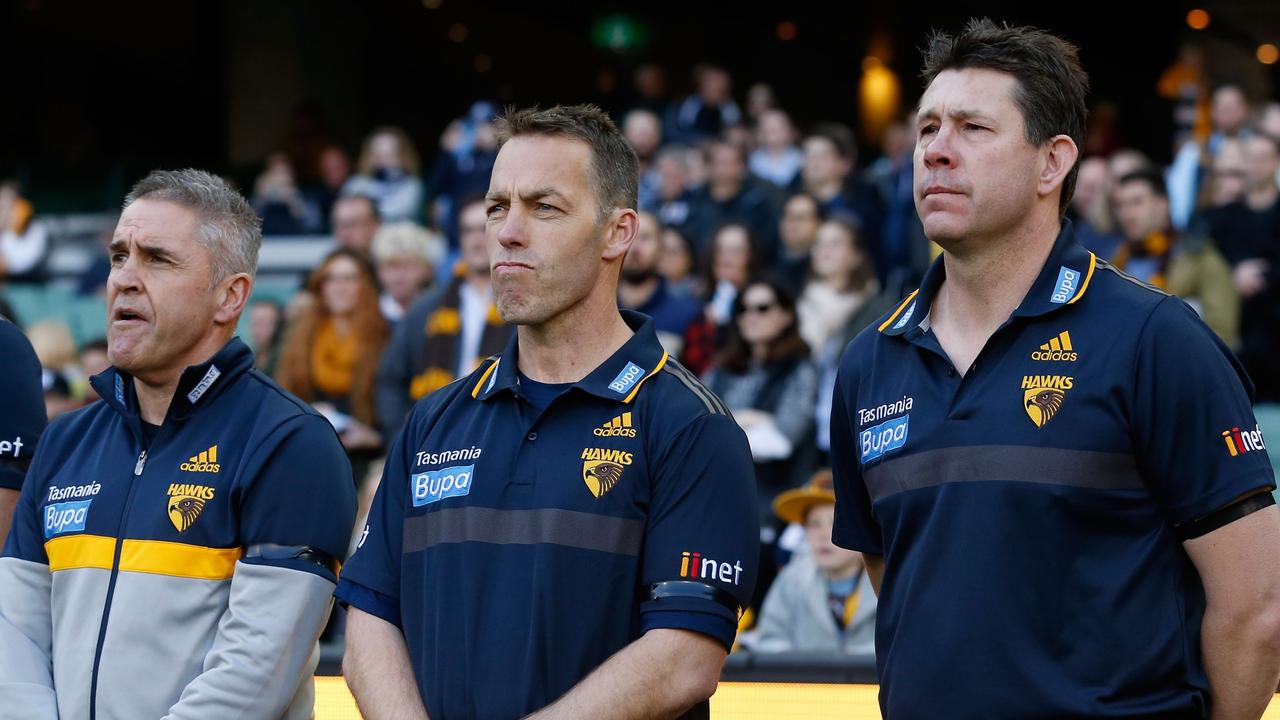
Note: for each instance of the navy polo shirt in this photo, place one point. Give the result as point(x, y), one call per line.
point(519, 548)
point(1026, 510)
point(22, 411)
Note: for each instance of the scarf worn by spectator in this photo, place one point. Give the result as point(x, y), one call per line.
point(443, 333)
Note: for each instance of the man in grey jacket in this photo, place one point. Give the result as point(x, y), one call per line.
point(175, 545)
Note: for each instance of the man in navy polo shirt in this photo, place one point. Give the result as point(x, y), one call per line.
point(1052, 469)
point(569, 531)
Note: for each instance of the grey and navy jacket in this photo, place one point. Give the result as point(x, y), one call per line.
point(184, 576)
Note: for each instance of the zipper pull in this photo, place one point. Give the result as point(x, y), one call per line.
point(142, 462)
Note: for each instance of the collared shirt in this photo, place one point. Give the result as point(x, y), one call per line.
point(1027, 510)
point(518, 549)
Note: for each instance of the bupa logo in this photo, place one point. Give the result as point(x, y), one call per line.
point(65, 517)
point(626, 379)
point(436, 485)
point(885, 437)
point(1065, 289)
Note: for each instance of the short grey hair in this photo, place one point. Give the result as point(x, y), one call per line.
point(229, 228)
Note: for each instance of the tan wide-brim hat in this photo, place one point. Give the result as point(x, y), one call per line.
point(793, 505)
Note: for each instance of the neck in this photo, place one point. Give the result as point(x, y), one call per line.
point(341, 323)
point(568, 347)
point(1261, 198)
point(155, 391)
point(636, 294)
point(760, 352)
point(969, 302)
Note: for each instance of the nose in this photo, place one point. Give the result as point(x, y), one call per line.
point(513, 230)
point(124, 277)
point(938, 151)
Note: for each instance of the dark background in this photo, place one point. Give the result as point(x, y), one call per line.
point(96, 94)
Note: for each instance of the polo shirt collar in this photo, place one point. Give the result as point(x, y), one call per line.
point(198, 383)
point(1062, 281)
point(618, 378)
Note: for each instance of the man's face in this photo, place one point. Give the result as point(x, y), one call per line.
point(160, 302)
point(1229, 109)
point(472, 244)
point(643, 131)
point(544, 242)
point(822, 162)
point(775, 130)
point(1262, 161)
point(673, 177)
point(1139, 210)
point(641, 262)
point(975, 173)
point(726, 165)
point(799, 224)
point(354, 224)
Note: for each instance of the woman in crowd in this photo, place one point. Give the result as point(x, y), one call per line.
point(731, 261)
point(389, 172)
point(330, 355)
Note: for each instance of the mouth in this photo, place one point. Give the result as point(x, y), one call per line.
point(508, 267)
point(126, 315)
point(940, 190)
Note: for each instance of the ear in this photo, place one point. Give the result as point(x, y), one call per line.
point(621, 231)
point(1058, 162)
point(232, 295)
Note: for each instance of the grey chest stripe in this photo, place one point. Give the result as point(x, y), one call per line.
point(1011, 463)
point(547, 526)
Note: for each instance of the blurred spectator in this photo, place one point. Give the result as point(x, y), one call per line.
point(641, 288)
point(1269, 120)
point(58, 398)
point(93, 361)
point(1125, 161)
point(1184, 83)
point(446, 332)
point(406, 255)
point(729, 197)
point(675, 194)
point(706, 113)
point(1248, 233)
point(676, 265)
point(731, 261)
point(777, 159)
point(280, 203)
point(355, 222)
point(904, 252)
point(56, 350)
point(266, 331)
point(468, 149)
point(333, 168)
point(330, 353)
point(643, 129)
point(822, 601)
point(798, 230)
point(842, 280)
point(1229, 110)
point(1186, 264)
point(1090, 209)
point(760, 100)
point(388, 172)
point(1227, 179)
point(93, 280)
point(650, 89)
point(765, 378)
point(829, 159)
point(24, 241)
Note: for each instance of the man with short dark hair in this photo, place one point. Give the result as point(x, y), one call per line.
point(569, 530)
point(355, 220)
point(175, 545)
point(1053, 470)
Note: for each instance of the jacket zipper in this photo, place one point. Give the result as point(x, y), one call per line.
point(111, 585)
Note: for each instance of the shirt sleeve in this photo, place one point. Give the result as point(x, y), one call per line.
point(855, 525)
point(703, 529)
point(1197, 442)
point(23, 418)
point(375, 566)
point(302, 497)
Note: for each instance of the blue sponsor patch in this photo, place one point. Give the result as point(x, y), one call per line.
point(885, 437)
point(905, 317)
point(627, 379)
point(119, 390)
point(65, 517)
point(436, 485)
point(1065, 289)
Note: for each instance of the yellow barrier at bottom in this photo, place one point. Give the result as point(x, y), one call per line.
point(732, 701)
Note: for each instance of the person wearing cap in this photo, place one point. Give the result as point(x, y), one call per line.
point(175, 546)
point(22, 415)
point(570, 530)
point(823, 599)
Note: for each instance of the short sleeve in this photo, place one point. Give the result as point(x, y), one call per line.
point(302, 495)
point(23, 416)
point(376, 563)
point(703, 530)
point(855, 526)
point(1197, 442)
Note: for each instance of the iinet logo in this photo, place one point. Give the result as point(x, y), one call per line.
point(693, 565)
point(1240, 441)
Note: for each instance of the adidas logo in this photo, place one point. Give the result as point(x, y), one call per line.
point(206, 461)
point(1057, 350)
point(617, 427)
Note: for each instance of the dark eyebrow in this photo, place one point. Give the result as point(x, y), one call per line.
point(544, 193)
point(954, 114)
point(155, 251)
